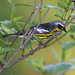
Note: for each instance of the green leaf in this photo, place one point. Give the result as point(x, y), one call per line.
point(73, 7)
point(13, 12)
point(7, 23)
point(72, 29)
point(2, 32)
point(68, 1)
point(65, 1)
point(17, 25)
point(20, 23)
point(28, 45)
point(4, 62)
point(2, 56)
point(7, 30)
point(57, 15)
point(63, 67)
point(55, 54)
point(41, 61)
point(29, 5)
point(13, 29)
point(38, 39)
point(10, 1)
point(72, 36)
point(59, 68)
point(17, 18)
point(28, 26)
point(55, 7)
point(62, 5)
point(4, 50)
point(68, 45)
point(49, 68)
point(3, 41)
point(36, 64)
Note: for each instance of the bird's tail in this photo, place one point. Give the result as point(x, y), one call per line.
point(14, 34)
point(9, 35)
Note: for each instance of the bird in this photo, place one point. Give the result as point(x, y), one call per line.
point(44, 30)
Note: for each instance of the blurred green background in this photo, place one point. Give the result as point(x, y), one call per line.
point(23, 68)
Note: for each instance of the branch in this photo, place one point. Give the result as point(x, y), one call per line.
point(22, 28)
point(41, 46)
point(35, 13)
point(33, 51)
point(27, 55)
point(36, 49)
point(70, 20)
point(38, 8)
point(24, 41)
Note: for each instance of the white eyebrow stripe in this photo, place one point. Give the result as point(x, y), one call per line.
point(41, 30)
point(60, 24)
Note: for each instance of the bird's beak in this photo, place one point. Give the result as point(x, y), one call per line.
point(65, 29)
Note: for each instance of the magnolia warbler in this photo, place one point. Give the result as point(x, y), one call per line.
point(44, 30)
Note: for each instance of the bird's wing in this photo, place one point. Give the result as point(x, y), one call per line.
point(44, 28)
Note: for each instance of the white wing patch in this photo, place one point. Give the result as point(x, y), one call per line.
point(41, 30)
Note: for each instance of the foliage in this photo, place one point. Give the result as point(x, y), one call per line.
point(62, 67)
point(52, 69)
point(38, 65)
point(14, 24)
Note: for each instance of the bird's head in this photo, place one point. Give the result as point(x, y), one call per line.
point(60, 26)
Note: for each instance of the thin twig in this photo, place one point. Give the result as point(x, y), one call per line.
point(33, 31)
point(26, 55)
point(32, 51)
point(39, 47)
point(22, 28)
point(26, 31)
point(70, 20)
point(25, 35)
point(35, 13)
point(28, 38)
point(69, 15)
point(48, 41)
point(38, 8)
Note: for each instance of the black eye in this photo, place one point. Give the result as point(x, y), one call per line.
point(60, 27)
